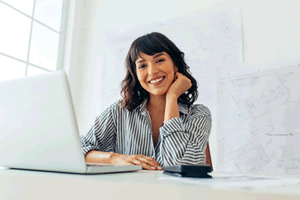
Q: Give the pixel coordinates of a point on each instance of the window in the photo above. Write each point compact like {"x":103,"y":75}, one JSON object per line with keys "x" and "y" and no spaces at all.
{"x":31,"y":36}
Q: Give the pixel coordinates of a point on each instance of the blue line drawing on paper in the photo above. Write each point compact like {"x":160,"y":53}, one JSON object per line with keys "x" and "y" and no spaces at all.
{"x":258,"y":113}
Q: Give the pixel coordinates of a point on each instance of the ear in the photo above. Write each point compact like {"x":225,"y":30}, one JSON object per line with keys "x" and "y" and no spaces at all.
{"x":175,"y":69}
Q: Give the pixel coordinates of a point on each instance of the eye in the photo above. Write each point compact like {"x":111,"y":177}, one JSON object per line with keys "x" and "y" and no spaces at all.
{"x":141,"y":67}
{"x":160,"y":60}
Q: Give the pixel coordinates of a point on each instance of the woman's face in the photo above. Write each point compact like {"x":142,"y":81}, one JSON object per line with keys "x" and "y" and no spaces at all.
{"x":155,"y":73}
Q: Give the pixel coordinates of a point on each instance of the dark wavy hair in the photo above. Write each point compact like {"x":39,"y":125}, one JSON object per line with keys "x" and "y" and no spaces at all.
{"x":132,"y":92}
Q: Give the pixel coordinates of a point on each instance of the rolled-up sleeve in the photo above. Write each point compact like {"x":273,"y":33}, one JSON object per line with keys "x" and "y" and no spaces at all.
{"x":183,"y":141}
{"x":101,"y":136}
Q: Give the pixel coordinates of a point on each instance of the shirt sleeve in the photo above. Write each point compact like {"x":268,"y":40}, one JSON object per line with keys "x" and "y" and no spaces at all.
{"x":101,"y":136}
{"x":184,"y":141}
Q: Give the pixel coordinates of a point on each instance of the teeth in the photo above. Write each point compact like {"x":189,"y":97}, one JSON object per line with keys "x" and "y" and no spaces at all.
{"x":157,"y":80}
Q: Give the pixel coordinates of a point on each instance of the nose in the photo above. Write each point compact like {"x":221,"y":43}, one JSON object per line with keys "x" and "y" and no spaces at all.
{"x":152,"y":69}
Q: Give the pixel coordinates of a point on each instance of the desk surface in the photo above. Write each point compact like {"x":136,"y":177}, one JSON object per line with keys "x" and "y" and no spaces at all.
{"x":22,"y":184}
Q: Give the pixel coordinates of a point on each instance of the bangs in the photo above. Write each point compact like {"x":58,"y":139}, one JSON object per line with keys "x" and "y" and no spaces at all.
{"x":148,"y":44}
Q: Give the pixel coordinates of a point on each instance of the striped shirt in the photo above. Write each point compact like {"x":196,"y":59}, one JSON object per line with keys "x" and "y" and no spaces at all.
{"x":181,"y":140}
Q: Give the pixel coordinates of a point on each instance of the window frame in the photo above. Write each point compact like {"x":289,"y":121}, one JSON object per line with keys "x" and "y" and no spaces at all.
{"x":61,"y":32}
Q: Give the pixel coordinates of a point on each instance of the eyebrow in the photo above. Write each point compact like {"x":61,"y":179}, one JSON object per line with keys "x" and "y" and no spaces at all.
{"x":155,"y":56}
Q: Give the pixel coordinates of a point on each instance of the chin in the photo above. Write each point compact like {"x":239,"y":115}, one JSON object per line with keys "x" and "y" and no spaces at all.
{"x":158,"y":93}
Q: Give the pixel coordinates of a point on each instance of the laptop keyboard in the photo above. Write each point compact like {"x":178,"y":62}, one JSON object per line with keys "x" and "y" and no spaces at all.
{"x":99,"y":165}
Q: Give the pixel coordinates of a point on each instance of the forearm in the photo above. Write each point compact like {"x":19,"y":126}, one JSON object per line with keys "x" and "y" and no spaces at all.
{"x":171,"y":109}
{"x":173,"y":140}
{"x":184,"y":140}
{"x":181,"y":146}
{"x":99,"y":157}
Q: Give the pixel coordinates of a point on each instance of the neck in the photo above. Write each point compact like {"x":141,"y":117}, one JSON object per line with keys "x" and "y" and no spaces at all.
{"x":157,"y":102}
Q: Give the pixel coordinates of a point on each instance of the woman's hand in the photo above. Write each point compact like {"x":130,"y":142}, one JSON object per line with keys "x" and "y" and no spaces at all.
{"x":180,"y":85}
{"x":145,"y":161}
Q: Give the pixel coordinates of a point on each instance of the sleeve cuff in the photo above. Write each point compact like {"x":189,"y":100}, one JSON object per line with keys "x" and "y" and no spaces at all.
{"x":85,"y":150}
{"x":86,"y":147}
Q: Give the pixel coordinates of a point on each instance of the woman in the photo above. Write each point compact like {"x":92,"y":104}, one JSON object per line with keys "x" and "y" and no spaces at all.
{"x":156,"y":123}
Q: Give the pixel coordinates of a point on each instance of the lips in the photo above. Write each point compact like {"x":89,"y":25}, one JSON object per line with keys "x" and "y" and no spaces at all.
{"x":156,"y":80}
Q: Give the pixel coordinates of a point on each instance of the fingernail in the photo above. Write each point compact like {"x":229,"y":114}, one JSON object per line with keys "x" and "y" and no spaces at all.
{"x":159,"y":167}
{"x":152,"y":167}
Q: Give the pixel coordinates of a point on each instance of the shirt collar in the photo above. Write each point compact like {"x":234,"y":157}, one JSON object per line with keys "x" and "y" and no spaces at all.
{"x":183,"y":108}
{"x":143,"y":106}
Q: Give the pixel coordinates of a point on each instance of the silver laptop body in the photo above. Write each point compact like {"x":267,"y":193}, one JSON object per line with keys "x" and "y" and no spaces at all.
{"x":38,"y":128}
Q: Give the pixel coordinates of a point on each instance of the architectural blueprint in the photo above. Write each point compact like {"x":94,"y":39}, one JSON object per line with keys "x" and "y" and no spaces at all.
{"x":258,"y":118}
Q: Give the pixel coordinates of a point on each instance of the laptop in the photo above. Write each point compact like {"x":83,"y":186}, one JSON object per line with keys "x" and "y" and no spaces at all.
{"x":38,"y":129}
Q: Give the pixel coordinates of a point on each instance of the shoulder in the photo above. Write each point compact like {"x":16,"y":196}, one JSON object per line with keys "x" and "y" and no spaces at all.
{"x":199,"y":110}
{"x":116,"y":105}
{"x":117,"y":109}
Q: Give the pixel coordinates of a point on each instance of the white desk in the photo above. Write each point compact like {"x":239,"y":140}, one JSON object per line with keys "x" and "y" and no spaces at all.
{"x":33,"y":185}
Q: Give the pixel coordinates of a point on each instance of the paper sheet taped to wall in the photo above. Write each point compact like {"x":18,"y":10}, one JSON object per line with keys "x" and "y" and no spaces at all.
{"x":258,"y":118}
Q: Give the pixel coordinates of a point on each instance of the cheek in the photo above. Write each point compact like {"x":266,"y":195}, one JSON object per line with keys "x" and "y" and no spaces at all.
{"x":172,"y":79}
{"x":171,"y":72}
{"x":140,"y":77}
{"x":170,"y":68}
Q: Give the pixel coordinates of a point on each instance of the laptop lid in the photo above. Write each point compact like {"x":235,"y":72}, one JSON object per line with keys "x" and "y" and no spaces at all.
{"x":38,"y":128}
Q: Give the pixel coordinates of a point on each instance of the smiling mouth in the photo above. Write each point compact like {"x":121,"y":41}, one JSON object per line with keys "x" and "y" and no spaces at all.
{"x":156,"y":80}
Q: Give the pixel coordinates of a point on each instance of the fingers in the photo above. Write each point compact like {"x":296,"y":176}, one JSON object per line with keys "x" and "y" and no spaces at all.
{"x":185,"y":80}
{"x":146,"y":162}
{"x":143,"y":164}
{"x":180,"y":85}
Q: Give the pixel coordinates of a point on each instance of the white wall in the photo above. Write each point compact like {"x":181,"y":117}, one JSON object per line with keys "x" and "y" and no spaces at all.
{"x":271,"y":32}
